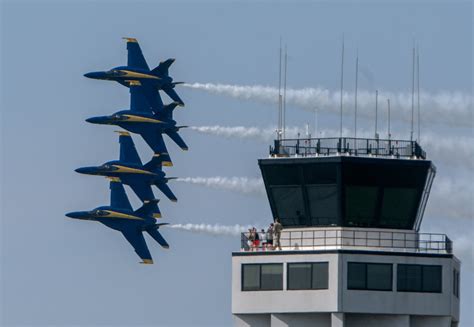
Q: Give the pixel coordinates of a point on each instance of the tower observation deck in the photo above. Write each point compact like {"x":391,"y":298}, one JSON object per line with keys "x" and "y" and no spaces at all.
{"x":351,"y":251}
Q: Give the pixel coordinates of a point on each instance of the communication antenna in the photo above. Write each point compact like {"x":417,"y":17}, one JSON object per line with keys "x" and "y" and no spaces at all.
{"x":412,"y":94}
{"x":279,"y":97}
{"x":284,"y":93}
{"x":376,"y":112}
{"x":388,"y":109}
{"x":418,"y":90}
{"x":316,"y":123}
{"x":342,"y":85}
{"x":355,"y":95}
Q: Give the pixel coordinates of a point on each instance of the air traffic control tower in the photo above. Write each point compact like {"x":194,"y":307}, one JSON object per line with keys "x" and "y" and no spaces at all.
{"x":352,"y":254}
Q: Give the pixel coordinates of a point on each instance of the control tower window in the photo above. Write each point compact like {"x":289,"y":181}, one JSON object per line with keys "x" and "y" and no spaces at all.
{"x":398,"y":207}
{"x":361,"y":203}
{"x":289,"y":205}
{"x":323,"y":204}
{"x":419,"y":278}
{"x":262,"y":277}
{"x":308,"y":276}
{"x":369,"y":276}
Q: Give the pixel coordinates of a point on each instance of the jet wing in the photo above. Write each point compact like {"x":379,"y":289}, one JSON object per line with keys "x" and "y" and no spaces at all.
{"x":128,"y":152}
{"x":136,"y":239}
{"x":157,"y":144}
{"x":152,"y":95}
{"x":135,"y":55}
{"x":178,"y":140}
{"x":118,"y":197}
{"x":172,"y":94}
{"x":145,"y":193}
{"x":138,"y":99}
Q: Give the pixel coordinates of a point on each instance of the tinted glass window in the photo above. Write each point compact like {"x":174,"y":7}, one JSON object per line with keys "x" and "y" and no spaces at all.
{"x":322,"y":204}
{"x":320,"y":275}
{"x":356,"y":276}
{"x":299,"y":276}
{"x":419,"y":278}
{"x":289,"y":205}
{"x":431,"y":279}
{"x":250,"y":277}
{"x":398,"y":207}
{"x":361,"y":202}
{"x":272,"y":277}
{"x":379,"y":277}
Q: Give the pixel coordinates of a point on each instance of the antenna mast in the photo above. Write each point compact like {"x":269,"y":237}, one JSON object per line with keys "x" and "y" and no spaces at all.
{"x":412,"y":94}
{"x":418,"y":90}
{"x":279,"y":98}
{"x":284,"y":94}
{"x":376,"y":112}
{"x":342,"y":86}
{"x":388,"y":108}
{"x":355,"y":96}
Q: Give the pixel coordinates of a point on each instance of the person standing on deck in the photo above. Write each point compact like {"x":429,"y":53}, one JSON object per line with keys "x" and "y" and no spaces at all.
{"x":277,"y":228}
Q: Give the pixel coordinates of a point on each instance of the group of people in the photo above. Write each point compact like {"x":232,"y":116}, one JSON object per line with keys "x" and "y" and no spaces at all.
{"x":265,"y":240}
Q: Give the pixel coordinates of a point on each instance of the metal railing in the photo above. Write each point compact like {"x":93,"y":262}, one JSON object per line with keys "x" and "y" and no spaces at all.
{"x":330,"y":239}
{"x":308,"y":147}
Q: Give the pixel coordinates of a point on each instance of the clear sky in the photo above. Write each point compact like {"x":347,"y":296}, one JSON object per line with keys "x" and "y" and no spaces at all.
{"x":58,"y":271}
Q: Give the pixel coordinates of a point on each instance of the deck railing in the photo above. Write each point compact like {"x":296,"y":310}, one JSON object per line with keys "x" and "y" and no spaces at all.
{"x":309,"y":147}
{"x":330,"y":239}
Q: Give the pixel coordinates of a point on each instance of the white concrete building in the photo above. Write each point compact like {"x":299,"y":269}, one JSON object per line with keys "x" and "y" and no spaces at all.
{"x":351,"y":251}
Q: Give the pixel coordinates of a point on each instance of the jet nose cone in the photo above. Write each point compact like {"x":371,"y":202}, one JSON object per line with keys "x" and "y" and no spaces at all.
{"x":95,"y":75}
{"x":74,"y":214}
{"x":96,"y":120}
{"x":84,"y":170}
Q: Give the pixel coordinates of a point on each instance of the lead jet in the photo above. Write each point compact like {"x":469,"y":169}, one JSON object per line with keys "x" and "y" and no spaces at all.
{"x":131,"y":223}
{"x":130,"y":171}
{"x":142,"y":120}
{"x":137,"y":70}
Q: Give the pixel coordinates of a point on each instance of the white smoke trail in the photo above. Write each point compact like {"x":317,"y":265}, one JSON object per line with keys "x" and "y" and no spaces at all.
{"x":239,"y":184}
{"x":457,"y":151}
{"x":216,"y":229}
{"x":451,"y":108}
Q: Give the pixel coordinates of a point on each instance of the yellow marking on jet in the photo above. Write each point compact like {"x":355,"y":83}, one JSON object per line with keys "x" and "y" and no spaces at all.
{"x":119,"y":215}
{"x":123,"y":169}
{"x":167,"y":163}
{"x":129,"y":73}
{"x":157,"y":215}
{"x":140,"y":119}
{"x":130,"y":39}
{"x":147,"y":262}
{"x":114,"y":179}
{"x":123,"y":133}
{"x":133,"y":83}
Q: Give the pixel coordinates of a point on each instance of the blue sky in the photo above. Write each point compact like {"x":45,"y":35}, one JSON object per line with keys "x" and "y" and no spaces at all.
{"x":57,"y":271}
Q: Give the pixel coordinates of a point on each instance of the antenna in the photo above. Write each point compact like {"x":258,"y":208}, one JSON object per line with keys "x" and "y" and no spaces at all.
{"x":388,"y":109}
{"x":376,"y":112}
{"x":316,"y":123}
{"x":412,"y":94}
{"x":418,"y":90}
{"x":355,"y":96}
{"x":279,"y":98}
{"x":284,"y":93}
{"x":342,"y":85}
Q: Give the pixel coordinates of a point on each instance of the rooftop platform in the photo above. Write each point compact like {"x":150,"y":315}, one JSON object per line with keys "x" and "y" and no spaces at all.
{"x":334,"y":146}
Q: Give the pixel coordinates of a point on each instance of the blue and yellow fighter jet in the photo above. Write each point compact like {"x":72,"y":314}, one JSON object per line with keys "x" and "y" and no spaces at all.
{"x":137,"y":70}
{"x":141,"y":119}
{"x":121,"y":217}
{"x":130,"y":171}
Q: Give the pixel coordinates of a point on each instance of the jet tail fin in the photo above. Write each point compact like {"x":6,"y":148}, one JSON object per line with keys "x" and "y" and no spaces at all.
{"x":165,"y":189}
{"x":162,"y":68}
{"x":157,"y":161}
{"x":177,"y":138}
{"x":169,"y":90}
{"x":148,"y":208}
{"x":156,"y":235}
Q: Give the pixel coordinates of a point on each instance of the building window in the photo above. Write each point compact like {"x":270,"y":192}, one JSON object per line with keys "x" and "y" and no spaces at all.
{"x":308,"y":276}
{"x":262,"y":277}
{"x":419,"y":278}
{"x":456,"y":283}
{"x":369,"y":276}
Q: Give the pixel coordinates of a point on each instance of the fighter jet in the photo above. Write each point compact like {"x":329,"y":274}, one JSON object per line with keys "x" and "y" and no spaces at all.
{"x":130,"y":171}
{"x":121,"y":217}
{"x":137,"y":70}
{"x":141,"y":119}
